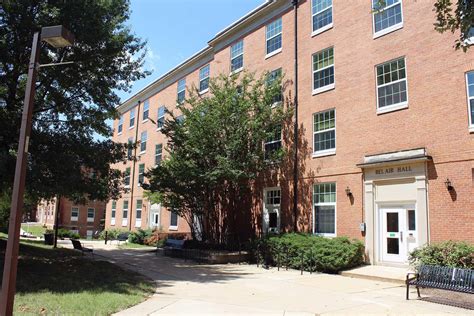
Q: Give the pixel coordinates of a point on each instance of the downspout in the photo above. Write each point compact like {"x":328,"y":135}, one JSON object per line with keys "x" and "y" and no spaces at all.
{"x":295,"y":127}
{"x":132,"y":180}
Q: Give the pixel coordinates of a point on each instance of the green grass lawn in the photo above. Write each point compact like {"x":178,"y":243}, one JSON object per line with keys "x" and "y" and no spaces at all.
{"x":35,"y":229}
{"x":61,"y":281}
{"x":129,"y":245}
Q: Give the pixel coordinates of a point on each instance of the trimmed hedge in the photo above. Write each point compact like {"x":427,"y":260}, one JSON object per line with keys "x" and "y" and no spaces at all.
{"x":457,"y":254}
{"x":318,"y":253}
{"x":66,"y":233}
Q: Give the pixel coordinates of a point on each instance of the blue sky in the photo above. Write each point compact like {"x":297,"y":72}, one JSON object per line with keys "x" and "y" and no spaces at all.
{"x":176,"y":29}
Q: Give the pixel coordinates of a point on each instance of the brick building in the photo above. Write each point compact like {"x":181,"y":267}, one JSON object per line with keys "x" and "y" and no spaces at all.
{"x":385,"y":119}
{"x":82,"y":219}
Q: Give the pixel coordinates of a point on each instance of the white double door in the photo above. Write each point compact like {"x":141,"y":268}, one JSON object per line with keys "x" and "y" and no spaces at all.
{"x":397,"y":233}
{"x":271,"y":210}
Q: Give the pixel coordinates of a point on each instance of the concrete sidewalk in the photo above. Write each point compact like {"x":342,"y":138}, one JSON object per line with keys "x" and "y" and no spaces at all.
{"x":191,"y":289}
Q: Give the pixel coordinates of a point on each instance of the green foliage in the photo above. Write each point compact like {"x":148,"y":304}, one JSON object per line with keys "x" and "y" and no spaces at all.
{"x":111,"y":233}
{"x":73,"y":102}
{"x":217,"y":150}
{"x":139,"y":236}
{"x":66,"y":233}
{"x":456,"y":254}
{"x":455,"y":18}
{"x":317,"y":253}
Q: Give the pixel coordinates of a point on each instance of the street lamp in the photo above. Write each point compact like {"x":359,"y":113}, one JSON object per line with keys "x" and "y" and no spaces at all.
{"x":57,"y":36}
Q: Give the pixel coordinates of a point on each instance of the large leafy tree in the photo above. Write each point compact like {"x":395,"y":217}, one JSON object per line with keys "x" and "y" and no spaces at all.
{"x":70,"y":134}
{"x":456,"y":17}
{"x":218,"y":150}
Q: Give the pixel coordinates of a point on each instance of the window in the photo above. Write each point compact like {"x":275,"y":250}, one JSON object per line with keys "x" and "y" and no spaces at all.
{"x":132,"y":118}
{"x":237,"y":56}
{"x":180,"y":119}
{"x":273,"y":143}
{"x":391,"y":86}
{"x":272,"y":76}
{"x":126,"y":180}
{"x":181,"y":90}
{"x":113,"y":213}
{"x":161,"y":117}
{"x":89,"y":234}
{"x":125,"y":213}
{"x":141,"y":173}
{"x":324,"y":217}
{"x":120,"y":125}
{"x":204,"y":79}
{"x":74,"y":213}
{"x":143,"y":139}
{"x":323,"y":70}
{"x":90,"y":214}
{"x":411,"y":220}
{"x":324,"y":129}
{"x":322,"y":15}
{"x":470,"y":35}
{"x":138,"y":219}
{"x":173,"y":220}
{"x":387,"y":16}
{"x":158,"y":154}
{"x":470,"y":97}
{"x":273,"y":36}
{"x":130,"y":148}
{"x":146,"y":110}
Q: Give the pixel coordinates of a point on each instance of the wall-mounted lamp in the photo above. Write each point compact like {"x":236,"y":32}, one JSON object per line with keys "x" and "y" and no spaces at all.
{"x":348,"y":192}
{"x":448,"y":184}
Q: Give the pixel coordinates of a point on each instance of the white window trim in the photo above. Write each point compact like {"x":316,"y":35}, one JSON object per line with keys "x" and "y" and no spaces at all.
{"x":134,"y":117}
{"x":120,"y":124}
{"x":265,"y":191}
{"x":324,"y":28}
{"x":325,"y":204}
{"x":159,"y":117}
{"x":74,"y":218}
{"x":113,"y":211}
{"x":396,"y":106}
{"x":138,"y":178}
{"x":329,"y":86}
{"x":232,"y":58}
{"x":161,"y":154}
{"x":267,"y":54}
{"x":277,"y":51}
{"x":126,"y":186}
{"x":202,"y":79}
{"x":471,"y":123}
{"x":236,"y":71}
{"x":326,"y":152}
{"x":90,"y":219}
{"x":125,"y":219}
{"x":391,"y":28}
{"x":174,"y":227}
{"x":178,"y":90}
{"x":141,"y":141}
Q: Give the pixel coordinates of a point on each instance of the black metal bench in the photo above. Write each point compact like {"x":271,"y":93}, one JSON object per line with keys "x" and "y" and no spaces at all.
{"x":78,"y":246}
{"x":172,"y":246}
{"x":444,"y":278}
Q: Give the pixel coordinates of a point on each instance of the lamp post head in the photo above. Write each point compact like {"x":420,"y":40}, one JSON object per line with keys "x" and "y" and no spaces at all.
{"x":57,"y":36}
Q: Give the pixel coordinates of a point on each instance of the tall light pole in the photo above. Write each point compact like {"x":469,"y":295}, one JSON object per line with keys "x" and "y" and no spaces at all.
{"x":56,"y":36}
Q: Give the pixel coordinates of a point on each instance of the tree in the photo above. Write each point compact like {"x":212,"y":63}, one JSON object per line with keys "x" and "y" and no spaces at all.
{"x":69,"y":151}
{"x":217,"y":151}
{"x":456,"y":18}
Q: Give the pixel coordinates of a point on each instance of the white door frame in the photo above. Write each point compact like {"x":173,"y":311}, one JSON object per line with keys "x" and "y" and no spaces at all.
{"x":403,"y":233}
{"x":276,"y":208}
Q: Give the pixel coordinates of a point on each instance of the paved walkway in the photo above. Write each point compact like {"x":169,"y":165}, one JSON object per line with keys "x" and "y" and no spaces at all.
{"x":185,"y":288}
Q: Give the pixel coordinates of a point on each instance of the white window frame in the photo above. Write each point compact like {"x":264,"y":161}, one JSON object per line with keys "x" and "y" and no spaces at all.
{"x":146,"y":109}
{"x":325,"y":204}
{"x":181,"y":89}
{"x":201,"y":79}
{"x":324,"y":28}
{"x":132,"y":115}
{"x":143,"y":141}
{"x":397,"y":106}
{"x":113,"y":212}
{"x":120,"y":125}
{"x":469,"y":98}
{"x":129,"y":177}
{"x":174,"y":227}
{"x":280,"y":102}
{"x":160,"y":154}
{"x":276,"y":51}
{"x":89,"y":234}
{"x":90,"y":219}
{"x":125,"y":209}
{"x":158,"y":128}
{"x":140,"y":174}
{"x":329,"y":86}
{"x":388,"y":29}
{"x":265,"y":143}
{"x":326,"y":152}
{"x":237,"y":56}
{"x":138,"y":221}
{"x":74,"y":218}
{"x":265,"y":192}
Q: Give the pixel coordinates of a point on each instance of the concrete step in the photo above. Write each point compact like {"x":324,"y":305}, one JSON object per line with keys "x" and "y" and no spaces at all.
{"x":379,"y":273}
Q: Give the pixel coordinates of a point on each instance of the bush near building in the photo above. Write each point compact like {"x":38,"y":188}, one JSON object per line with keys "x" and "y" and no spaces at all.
{"x":457,"y":254}
{"x":317,"y":253}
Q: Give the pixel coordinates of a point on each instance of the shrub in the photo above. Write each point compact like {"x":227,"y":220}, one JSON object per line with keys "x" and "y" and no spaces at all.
{"x":318,"y":253}
{"x":455,"y":254}
{"x":66,"y":233}
{"x":111,"y":233}
{"x":139,"y":236}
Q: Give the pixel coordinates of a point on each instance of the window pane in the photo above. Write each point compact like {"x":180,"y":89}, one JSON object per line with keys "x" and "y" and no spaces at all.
{"x":411,"y":220}
{"x":237,"y":63}
{"x":392,"y":222}
{"x":325,"y":219}
{"x":173,"y":219}
{"x":273,"y":44}
{"x":385,"y":18}
{"x":274,"y":28}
